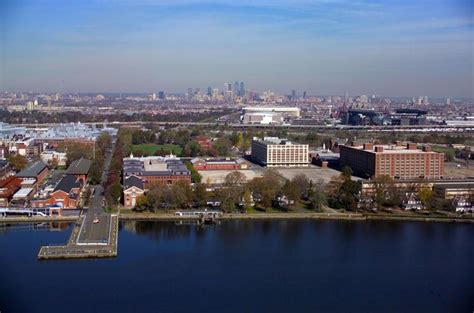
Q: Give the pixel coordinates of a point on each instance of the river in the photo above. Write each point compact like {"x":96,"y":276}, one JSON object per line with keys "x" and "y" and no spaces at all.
{"x":247,"y":266}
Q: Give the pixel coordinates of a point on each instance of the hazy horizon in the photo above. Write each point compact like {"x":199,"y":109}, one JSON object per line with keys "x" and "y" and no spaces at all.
{"x":395,"y":48}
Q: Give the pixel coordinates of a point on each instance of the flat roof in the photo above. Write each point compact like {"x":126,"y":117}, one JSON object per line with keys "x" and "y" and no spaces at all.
{"x":277,"y":141}
{"x":389,"y":149}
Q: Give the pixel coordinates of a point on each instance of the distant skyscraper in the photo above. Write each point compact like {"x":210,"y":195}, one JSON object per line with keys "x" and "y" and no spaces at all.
{"x":236,"y":89}
{"x":227,"y":87}
{"x":190,"y":94}
{"x":209,"y":91}
{"x":242,"y":89}
{"x":293,"y":94}
{"x":161,"y":95}
{"x":448,"y":101}
{"x":304,"y":94}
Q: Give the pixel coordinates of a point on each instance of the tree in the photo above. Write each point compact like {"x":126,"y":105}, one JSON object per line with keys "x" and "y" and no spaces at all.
{"x":425,"y":194}
{"x":346,"y":172}
{"x":143,"y":203}
{"x":291,"y":191}
{"x":247,"y":201}
{"x":192,"y":149}
{"x":200,"y":194}
{"x":343,"y":192}
{"x":234,"y":179}
{"x":53,"y":163}
{"x":18,"y":161}
{"x":302,"y":184}
{"x":222,"y":146}
{"x":385,"y":192}
{"x":195,"y":176}
{"x":267,"y":187}
{"x":317,"y":197}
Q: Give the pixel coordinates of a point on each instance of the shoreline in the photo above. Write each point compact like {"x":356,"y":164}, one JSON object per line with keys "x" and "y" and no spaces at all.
{"x":260,"y":216}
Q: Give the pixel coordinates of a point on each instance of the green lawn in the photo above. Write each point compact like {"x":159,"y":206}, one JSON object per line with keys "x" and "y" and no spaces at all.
{"x":151,"y":148}
{"x":443,"y":149}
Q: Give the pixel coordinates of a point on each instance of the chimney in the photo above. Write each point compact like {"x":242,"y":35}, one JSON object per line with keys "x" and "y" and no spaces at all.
{"x":379,"y":149}
{"x":427,"y":148}
{"x":353,"y":144}
{"x":398,"y":143}
{"x":411,"y":146}
{"x":368,"y":146}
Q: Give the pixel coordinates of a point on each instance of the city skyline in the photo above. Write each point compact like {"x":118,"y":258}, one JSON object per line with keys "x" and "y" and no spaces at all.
{"x":321,"y":47}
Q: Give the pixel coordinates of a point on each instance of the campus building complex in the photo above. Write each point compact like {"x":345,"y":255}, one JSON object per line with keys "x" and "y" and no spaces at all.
{"x":156,"y":170}
{"x":276,"y":152}
{"x":397,"y":160}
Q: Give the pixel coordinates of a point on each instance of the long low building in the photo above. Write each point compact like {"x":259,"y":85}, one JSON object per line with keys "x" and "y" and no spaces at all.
{"x":200,"y":164}
{"x":285,"y":111}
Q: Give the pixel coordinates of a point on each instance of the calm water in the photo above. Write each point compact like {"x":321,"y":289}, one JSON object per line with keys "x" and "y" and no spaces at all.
{"x":248,"y":266}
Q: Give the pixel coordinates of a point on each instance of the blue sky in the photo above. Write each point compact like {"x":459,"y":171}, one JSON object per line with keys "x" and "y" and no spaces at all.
{"x":392,"y":48}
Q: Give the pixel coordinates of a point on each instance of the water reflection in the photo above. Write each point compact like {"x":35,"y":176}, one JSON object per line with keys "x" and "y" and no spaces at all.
{"x":157,"y":230}
{"x":46,"y":226}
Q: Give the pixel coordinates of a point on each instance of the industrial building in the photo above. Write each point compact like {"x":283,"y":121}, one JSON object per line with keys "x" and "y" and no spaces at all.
{"x":397,"y":160}
{"x":276,"y":152}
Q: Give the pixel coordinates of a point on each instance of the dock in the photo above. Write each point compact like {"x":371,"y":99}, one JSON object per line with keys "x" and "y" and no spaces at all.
{"x":87,"y":240}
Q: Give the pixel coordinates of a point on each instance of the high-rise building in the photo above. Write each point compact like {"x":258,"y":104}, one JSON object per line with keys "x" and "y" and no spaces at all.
{"x":304,"y":94}
{"x":236,"y":89}
{"x":227,"y":87}
{"x":209,"y":91}
{"x":190,"y":94}
{"x":448,"y":101}
{"x":273,"y":151}
{"x":242,"y":89}
{"x":293,"y":94}
{"x":161,"y":95}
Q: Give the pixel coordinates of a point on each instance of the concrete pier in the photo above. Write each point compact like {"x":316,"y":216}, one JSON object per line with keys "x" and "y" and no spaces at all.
{"x":88,"y":239}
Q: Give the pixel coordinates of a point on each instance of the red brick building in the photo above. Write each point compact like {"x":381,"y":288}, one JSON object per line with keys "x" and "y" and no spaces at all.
{"x":37,"y":170}
{"x":8,"y":187}
{"x":156,"y":170}
{"x":203,"y":142}
{"x":397,"y":160}
{"x":66,"y":194}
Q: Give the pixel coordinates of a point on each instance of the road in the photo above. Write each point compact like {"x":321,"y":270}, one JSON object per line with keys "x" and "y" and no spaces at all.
{"x":99,"y":232}
{"x":398,"y":128}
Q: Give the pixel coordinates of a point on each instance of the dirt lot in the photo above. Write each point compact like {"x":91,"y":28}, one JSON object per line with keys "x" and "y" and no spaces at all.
{"x":314,"y":173}
{"x":459,"y":169}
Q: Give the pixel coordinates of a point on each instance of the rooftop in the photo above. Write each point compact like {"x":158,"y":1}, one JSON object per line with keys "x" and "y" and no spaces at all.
{"x":391,"y":149}
{"x":133,"y":181}
{"x":22,"y":193}
{"x":67,"y":183}
{"x":275,"y":141}
{"x":33,"y":170}
{"x":79,"y":167}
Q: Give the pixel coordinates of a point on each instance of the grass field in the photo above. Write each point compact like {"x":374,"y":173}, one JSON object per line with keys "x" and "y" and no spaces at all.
{"x":150,"y":149}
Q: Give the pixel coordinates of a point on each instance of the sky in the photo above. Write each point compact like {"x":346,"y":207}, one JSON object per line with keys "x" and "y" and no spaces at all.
{"x":323,"y":47}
